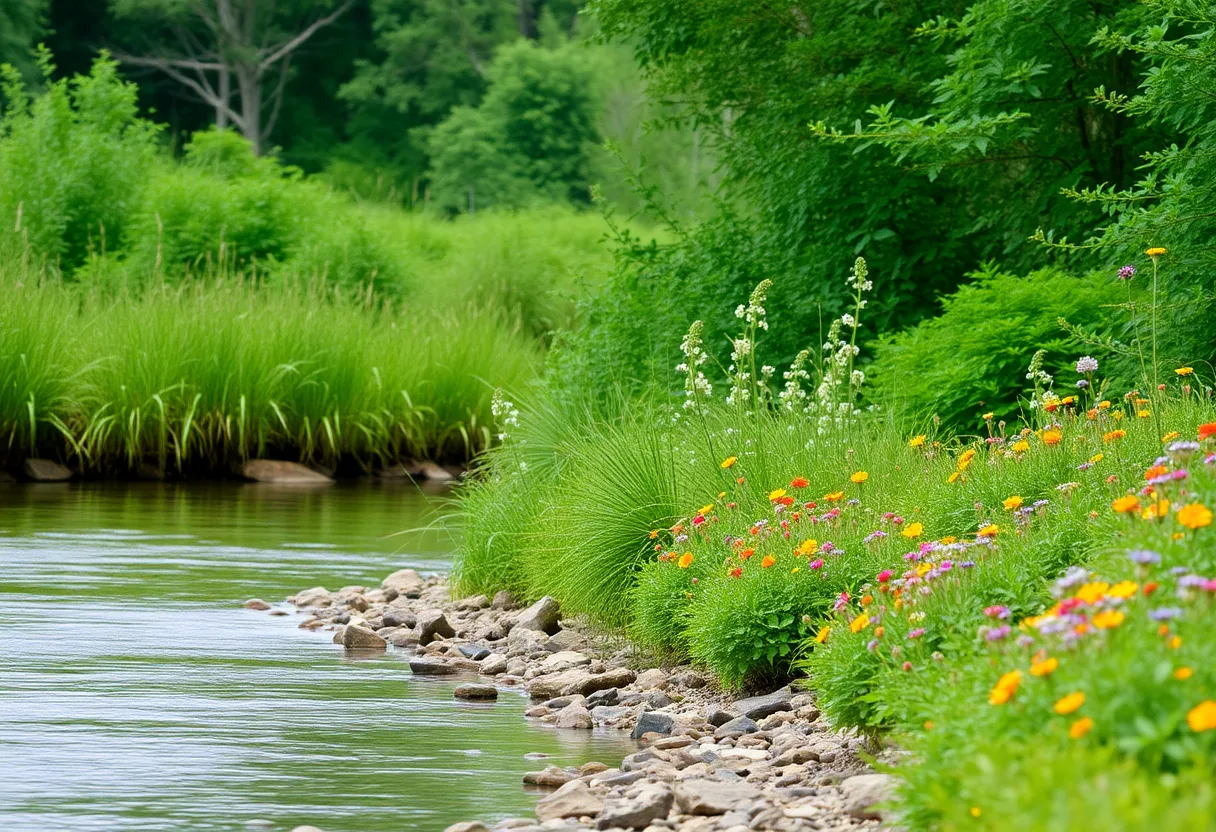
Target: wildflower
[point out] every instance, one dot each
(1005, 688)
(1013, 502)
(1126, 504)
(1111, 436)
(998, 611)
(746, 553)
(768, 561)
(1087, 364)
(1092, 593)
(1052, 437)
(799, 482)
(997, 633)
(1195, 516)
(917, 441)
(1070, 703)
(1020, 447)
(859, 477)
(737, 572)
(859, 623)
(1206, 430)
(834, 497)
(1108, 619)
(1202, 717)
(1045, 667)
(953, 478)
(976, 811)
(654, 533)
(988, 531)
(1127, 272)
(816, 564)
(884, 576)
(915, 633)
(1155, 252)
(822, 636)
(1184, 371)
(729, 462)
(776, 494)
(965, 458)
(1080, 728)
(1183, 673)
(1174, 643)
(807, 547)
(912, 530)
(685, 560)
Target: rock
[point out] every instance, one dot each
(357, 637)
(494, 664)
(607, 696)
(796, 757)
(475, 602)
(616, 678)
(540, 616)
(403, 637)
(737, 726)
(256, 604)
(653, 722)
(567, 639)
(689, 680)
(44, 470)
(573, 800)
(574, 716)
(608, 714)
(477, 692)
(433, 667)
(434, 472)
(864, 792)
(650, 804)
(405, 582)
(653, 678)
(564, 661)
(504, 599)
(433, 624)
(656, 699)
(397, 617)
(467, 826)
(551, 776)
(752, 755)
(717, 717)
(758, 707)
(473, 651)
(318, 596)
(399, 471)
(307, 829)
(712, 797)
(282, 472)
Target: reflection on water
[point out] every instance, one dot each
(135, 693)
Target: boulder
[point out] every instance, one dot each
(282, 472)
(564, 661)
(540, 616)
(573, 800)
(480, 693)
(405, 582)
(473, 651)
(399, 617)
(712, 797)
(434, 472)
(256, 604)
(467, 826)
(433, 624)
(551, 777)
(653, 678)
(577, 680)
(653, 722)
(736, 727)
(717, 717)
(609, 714)
(358, 637)
(758, 707)
(650, 804)
(504, 599)
(574, 715)
(318, 596)
(45, 470)
(493, 664)
(607, 696)
(863, 793)
(433, 667)
(616, 678)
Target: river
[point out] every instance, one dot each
(137, 694)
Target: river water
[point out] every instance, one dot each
(137, 694)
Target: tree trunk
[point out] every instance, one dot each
(225, 92)
(249, 83)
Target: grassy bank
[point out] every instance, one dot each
(1028, 606)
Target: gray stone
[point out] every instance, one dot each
(573, 800)
(405, 582)
(358, 637)
(653, 722)
(256, 604)
(566, 639)
(710, 797)
(618, 677)
(657, 699)
(615, 777)
(494, 664)
(477, 692)
(717, 717)
(607, 696)
(863, 794)
(574, 716)
(403, 637)
(737, 726)
(433, 624)
(45, 470)
(540, 616)
(650, 804)
(608, 714)
(758, 707)
(282, 472)
(504, 599)
(473, 651)
(397, 617)
(795, 757)
(433, 667)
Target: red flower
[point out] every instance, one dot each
(1207, 430)
(737, 572)
(799, 482)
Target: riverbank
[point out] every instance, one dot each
(705, 760)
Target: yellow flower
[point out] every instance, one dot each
(1070, 703)
(728, 462)
(834, 497)
(1144, 414)
(685, 560)
(1123, 589)
(1126, 504)
(859, 477)
(954, 475)
(988, 417)
(1184, 371)
(1202, 717)
(1021, 446)
(776, 494)
(1174, 643)
(975, 811)
(988, 531)
(1080, 728)
(946, 541)
(1013, 502)
(1091, 593)
(807, 547)
(859, 623)
(1155, 252)
(706, 509)
(1005, 688)
(1108, 619)
(965, 458)
(1045, 667)
(1183, 673)
(1171, 436)
(1096, 458)
(912, 530)
(917, 441)
(822, 635)
(1195, 516)
(1052, 437)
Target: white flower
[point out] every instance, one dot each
(1087, 364)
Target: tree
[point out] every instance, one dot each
(22, 23)
(219, 42)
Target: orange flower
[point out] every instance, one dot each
(1155, 471)
(1111, 436)
(729, 462)
(1044, 668)
(1080, 728)
(1206, 430)
(1126, 504)
(685, 560)
(1202, 717)
(1005, 688)
(834, 497)
(1070, 703)
(746, 553)
(1195, 516)
(1108, 619)
(799, 482)
(822, 635)
(768, 561)
(1183, 673)
(965, 458)
(1052, 437)
(859, 623)
(988, 531)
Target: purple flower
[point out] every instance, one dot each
(1082, 384)
(1025, 641)
(1144, 556)
(967, 564)
(1127, 272)
(1087, 364)
(1164, 613)
(1191, 581)
(877, 534)
(997, 611)
(917, 633)
(997, 633)
(873, 645)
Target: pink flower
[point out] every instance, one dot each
(884, 576)
(817, 564)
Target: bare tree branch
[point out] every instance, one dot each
(278, 98)
(172, 68)
(294, 43)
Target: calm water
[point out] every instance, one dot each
(135, 694)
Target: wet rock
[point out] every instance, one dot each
(504, 599)
(403, 637)
(758, 707)
(433, 667)
(650, 804)
(318, 596)
(607, 696)
(736, 727)
(480, 693)
(256, 604)
(358, 637)
(473, 651)
(434, 472)
(552, 777)
(608, 714)
(45, 470)
(467, 826)
(281, 472)
(494, 664)
(397, 617)
(574, 716)
(540, 616)
(653, 722)
(712, 797)
(573, 800)
(653, 678)
(432, 625)
(864, 792)
(405, 582)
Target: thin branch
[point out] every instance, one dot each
(170, 67)
(295, 42)
(278, 98)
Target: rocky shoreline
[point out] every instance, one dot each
(705, 760)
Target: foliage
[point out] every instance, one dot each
(21, 23)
